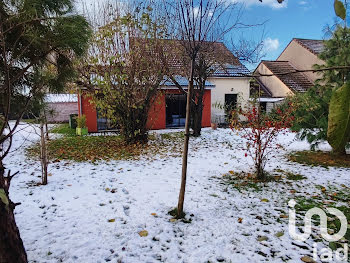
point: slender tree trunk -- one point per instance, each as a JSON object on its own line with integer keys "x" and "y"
{"x": 197, "y": 114}
{"x": 46, "y": 127}
{"x": 11, "y": 245}
{"x": 43, "y": 155}
{"x": 180, "y": 206}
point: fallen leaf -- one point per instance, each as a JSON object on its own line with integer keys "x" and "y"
{"x": 279, "y": 234}
{"x": 69, "y": 185}
{"x": 111, "y": 220}
{"x": 283, "y": 216}
{"x": 153, "y": 214}
{"x": 262, "y": 238}
{"x": 307, "y": 259}
{"x": 231, "y": 172}
{"x": 264, "y": 200}
{"x": 240, "y": 219}
{"x": 173, "y": 220}
{"x": 49, "y": 174}
{"x": 107, "y": 189}
{"x": 143, "y": 233}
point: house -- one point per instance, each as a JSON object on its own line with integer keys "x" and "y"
{"x": 300, "y": 54}
{"x": 61, "y": 106}
{"x": 228, "y": 84}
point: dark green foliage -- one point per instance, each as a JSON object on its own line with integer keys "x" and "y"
{"x": 338, "y": 134}
{"x": 40, "y": 39}
{"x": 336, "y": 53}
{"x": 312, "y": 108}
{"x": 311, "y": 114}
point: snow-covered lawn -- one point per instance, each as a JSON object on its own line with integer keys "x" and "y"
{"x": 68, "y": 220}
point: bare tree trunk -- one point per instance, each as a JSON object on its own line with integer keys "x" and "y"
{"x": 43, "y": 154}
{"x": 180, "y": 206}
{"x": 46, "y": 127}
{"x": 11, "y": 245}
{"x": 197, "y": 114}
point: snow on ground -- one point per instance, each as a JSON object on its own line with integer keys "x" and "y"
{"x": 67, "y": 220}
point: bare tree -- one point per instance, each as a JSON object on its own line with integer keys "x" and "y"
{"x": 199, "y": 26}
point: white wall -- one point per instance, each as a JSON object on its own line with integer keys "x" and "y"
{"x": 239, "y": 86}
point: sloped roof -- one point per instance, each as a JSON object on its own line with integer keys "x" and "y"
{"x": 297, "y": 82}
{"x": 313, "y": 45}
{"x": 183, "y": 82}
{"x": 225, "y": 64}
{"x": 59, "y": 98}
{"x": 229, "y": 70}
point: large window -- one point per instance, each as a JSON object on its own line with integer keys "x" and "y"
{"x": 104, "y": 124}
{"x": 175, "y": 110}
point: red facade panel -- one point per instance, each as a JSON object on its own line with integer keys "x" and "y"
{"x": 89, "y": 109}
{"x": 157, "y": 113}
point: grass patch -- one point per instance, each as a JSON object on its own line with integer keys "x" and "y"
{"x": 319, "y": 158}
{"x": 63, "y": 129}
{"x": 172, "y": 136}
{"x": 95, "y": 148}
{"x": 294, "y": 177}
{"x": 242, "y": 181}
{"x": 89, "y": 148}
{"x": 336, "y": 197}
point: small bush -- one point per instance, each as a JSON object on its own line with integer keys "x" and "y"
{"x": 81, "y": 121}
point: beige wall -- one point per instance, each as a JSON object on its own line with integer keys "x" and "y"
{"x": 239, "y": 86}
{"x": 301, "y": 58}
{"x": 62, "y": 110}
{"x": 274, "y": 84}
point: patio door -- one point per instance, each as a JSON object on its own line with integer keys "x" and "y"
{"x": 104, "y": 124}
{"x": 175, "y": 110}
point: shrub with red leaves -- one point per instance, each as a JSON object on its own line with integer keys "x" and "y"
{"x": 260, "y": 131}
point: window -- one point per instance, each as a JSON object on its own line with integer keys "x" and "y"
{"x": 175, "y": 110}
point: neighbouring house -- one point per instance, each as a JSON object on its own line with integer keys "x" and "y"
{"x": 228, "y": 84}
{"x": 300, "y": 54}
{"x": 61, "y": 106}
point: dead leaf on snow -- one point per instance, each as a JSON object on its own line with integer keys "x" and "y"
{"x": 143, "y": 233}
{"x": 307, "y": 259}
